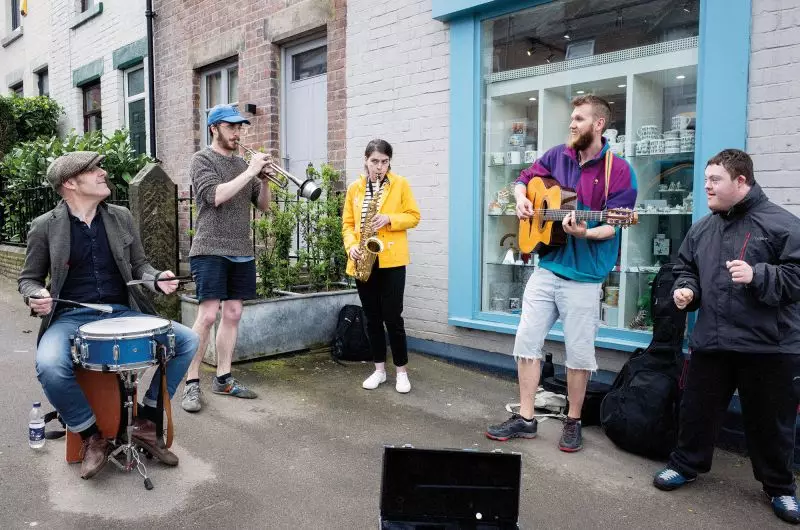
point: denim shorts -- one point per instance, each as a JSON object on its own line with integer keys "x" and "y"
{"x": 547, "y": 298}
{"x": 218, "y": 278}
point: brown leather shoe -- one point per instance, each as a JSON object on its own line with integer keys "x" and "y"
{"x": 144, "y": 435}
{"x": 95, "y": 451}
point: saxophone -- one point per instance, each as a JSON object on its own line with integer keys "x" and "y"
{"x": 369, "y": 245}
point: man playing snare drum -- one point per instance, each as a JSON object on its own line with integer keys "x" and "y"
{"x": 90, "y": 250}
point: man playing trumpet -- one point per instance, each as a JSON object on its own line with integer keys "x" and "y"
{"x": 221, "y": 257}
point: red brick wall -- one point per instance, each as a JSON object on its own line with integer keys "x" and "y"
{"x": 185, "y": 25}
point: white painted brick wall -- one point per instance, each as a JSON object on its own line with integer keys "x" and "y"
{"x": 122, "y": 22}
{"x": 398, "y": 88}
{"x": 27, "y": 52}
{"x": 773, "y": 133}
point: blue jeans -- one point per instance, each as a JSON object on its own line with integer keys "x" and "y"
{"x": 56, "y": 372}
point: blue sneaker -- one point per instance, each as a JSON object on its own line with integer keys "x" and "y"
{"x": 668, "y": 479}
{"x": 232, "y": 387}
{"x": 786, "y": 508}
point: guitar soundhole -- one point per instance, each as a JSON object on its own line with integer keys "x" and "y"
{"x": 543, "y": 214}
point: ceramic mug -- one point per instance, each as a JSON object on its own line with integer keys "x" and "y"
{"x": 680, "y": 121}
{"x": 647, "y": 132}
{"x": 611, "y": 135}
{"x": 513, "y": 157}
{"x": 642, "y": 147}
{"x": 530, "y": 157}
{"x": 656, "y": 146}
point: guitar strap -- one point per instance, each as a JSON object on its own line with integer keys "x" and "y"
{"x": 609, "y": 162}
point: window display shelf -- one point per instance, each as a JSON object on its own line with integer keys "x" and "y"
{"x": 526, "y": 265}
{"x": 663, "y": 213}
{"x": 531, "y": 113}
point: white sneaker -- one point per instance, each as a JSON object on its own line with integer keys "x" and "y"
{"x": 372, "y": 382}
{"x": 403, "y": 385}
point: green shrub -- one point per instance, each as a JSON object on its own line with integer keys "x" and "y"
{"x": 35, "y": 117}
{"x": 8, "y": 130}
{"x": 322, "y": 263}
{"x": 25, "y": 167}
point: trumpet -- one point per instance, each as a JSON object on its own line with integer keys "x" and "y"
{"x": 308, "y": 188}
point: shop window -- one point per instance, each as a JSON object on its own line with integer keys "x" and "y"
{"x": 642, "y": 58}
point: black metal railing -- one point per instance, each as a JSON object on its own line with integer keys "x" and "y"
{"x": 20, "y": 207}
{"x": 186, "y": 206}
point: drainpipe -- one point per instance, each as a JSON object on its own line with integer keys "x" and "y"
{"x": 151, "y": 71}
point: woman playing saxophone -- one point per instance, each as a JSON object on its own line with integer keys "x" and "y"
{"x": 378, "y": 210}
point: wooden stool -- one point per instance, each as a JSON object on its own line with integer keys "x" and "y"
{"x": 102, "y": 390}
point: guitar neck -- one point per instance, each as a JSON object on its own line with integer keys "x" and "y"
{"x": 580, "y": 215}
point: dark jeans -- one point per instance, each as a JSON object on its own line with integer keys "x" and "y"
{"x": 382, "y": 299}
{"x": 769, "y": 411}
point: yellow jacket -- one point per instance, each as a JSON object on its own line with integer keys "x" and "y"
{"x": 398, "y": 203}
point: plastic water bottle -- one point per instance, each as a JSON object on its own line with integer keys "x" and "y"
{"x": 36, "y": 427}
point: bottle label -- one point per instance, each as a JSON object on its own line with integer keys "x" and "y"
{"x": 36, "y": 434}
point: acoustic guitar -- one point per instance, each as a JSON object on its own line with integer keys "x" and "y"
{"x": 551, "y": 203}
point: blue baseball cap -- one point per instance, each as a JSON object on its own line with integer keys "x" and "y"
{"x": 226, "y": 113}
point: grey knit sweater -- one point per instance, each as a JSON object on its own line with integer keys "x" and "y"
{"x": 222, "y": 230}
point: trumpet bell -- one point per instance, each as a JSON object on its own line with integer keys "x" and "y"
{"x": 310, "y": 190}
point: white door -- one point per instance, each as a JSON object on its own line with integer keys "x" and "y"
{"x": 305, "y": 110}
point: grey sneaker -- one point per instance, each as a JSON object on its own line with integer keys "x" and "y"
{"x": 514, "y": 427}
{"x": 571, "y": 438}
{"x": 232, "y": 387}
{"x": 191, "y": 398}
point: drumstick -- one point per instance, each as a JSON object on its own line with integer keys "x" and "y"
{"x": 181, "y": 279}
{"x": 103, "y": 308}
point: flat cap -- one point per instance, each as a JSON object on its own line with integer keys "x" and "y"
{"x": 69, "y": 165}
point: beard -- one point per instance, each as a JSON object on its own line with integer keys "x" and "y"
{"x": 582, "y": 141}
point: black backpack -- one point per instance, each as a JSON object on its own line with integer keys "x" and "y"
{"x": 640, "y": 412}
{"x": 350, "y": 341}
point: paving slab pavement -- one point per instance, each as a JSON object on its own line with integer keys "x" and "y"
{"x": 307, "y": 454}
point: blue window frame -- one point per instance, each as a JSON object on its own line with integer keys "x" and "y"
{"x": 724, "y": 53}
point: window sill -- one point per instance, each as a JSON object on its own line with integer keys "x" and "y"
{"x": 14, "y": 35}
{"x": 610, "y": 338}
{"x": 87, "y": 15}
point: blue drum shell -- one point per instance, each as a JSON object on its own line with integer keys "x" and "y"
{"x": 133, "y": 352}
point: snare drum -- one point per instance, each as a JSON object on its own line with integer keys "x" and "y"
{"x": 124, "y": 343}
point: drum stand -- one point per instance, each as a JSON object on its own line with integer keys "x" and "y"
{"x": 126, "y": 456}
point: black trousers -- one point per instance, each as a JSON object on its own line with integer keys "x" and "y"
{"x": 769, "y": 410}
{"x": 382, "y": 299}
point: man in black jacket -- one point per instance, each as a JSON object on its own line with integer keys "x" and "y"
{"x": 740, "y": 266}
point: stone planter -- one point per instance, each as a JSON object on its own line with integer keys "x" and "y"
{"x": 292, "y": 322}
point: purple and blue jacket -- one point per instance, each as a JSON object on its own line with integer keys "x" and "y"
{"x": 583, "y": 260}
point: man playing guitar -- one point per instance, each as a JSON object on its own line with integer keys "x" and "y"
{"x": 568, "y": 281}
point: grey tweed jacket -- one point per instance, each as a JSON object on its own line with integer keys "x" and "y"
{"x": 48, "y": 252}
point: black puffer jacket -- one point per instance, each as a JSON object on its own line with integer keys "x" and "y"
{"x": 763, "y": 316}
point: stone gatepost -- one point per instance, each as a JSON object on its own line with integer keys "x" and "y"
{"x": 152, "y": 196}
